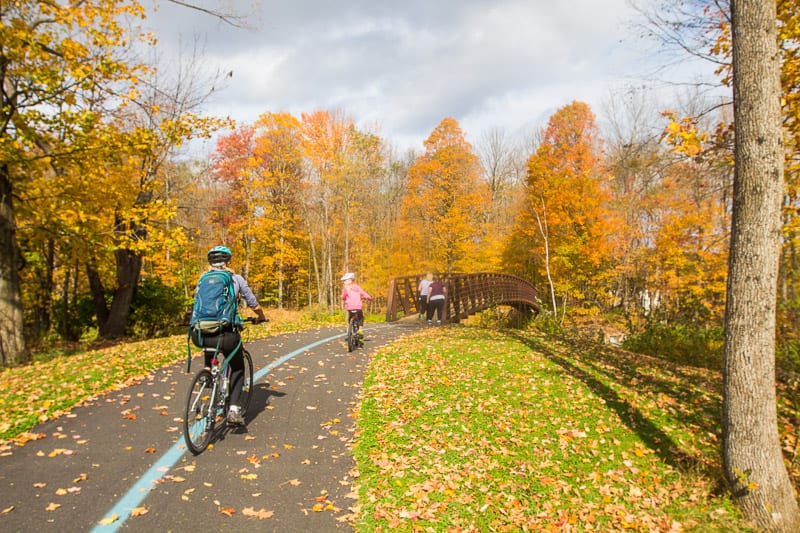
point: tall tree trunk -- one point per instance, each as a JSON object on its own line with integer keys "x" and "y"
{"x": 753, "y": 461}
{"x": 12, "y": 339}
{"x": 113, "y": 321}
{"x": 45, "y": 297}
{"x": 129, "y": 267}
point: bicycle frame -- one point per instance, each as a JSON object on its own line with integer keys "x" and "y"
{"x": 209, "y": 395}
{"x": 353, "y": 324}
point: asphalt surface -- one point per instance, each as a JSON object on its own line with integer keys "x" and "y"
{"x": 119, "y": 462}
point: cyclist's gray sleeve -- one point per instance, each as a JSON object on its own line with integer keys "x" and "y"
{"x": 243, "y": 289}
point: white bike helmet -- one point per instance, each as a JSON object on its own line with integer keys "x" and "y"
{"x": 347, "y": 276}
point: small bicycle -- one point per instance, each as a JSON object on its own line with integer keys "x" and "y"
{"x": 207, "y": 401}
{"x": 353, "y": 324}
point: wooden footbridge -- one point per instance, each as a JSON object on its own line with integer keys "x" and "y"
{"x": 467, "y": 294}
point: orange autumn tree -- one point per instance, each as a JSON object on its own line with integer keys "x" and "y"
{"x": 342, "y": 168}
{"x": 281, "y": 242}
{"x": 442, "y": 214}
{"x": 686, "y": 266}
{"x": 233, "y": 210}
{"x": 560, "y": 237}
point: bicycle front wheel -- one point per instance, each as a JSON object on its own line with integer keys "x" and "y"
{"x": 248, "y": 381}
{"x": 199, "y": 417}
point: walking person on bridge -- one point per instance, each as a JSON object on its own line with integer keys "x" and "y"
{"x": 437, "y": 293}
{"x": 422, "y": 289}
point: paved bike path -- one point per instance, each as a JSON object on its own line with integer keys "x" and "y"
{"x": 288, "y": 470}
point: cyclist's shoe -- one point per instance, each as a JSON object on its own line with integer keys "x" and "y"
{"x": 235, "y": 417}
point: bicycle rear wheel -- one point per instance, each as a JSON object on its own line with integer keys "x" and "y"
{"x": 352, "y": 335}
{"x": 248, "y": 381}
{"x": 200, "y": 417}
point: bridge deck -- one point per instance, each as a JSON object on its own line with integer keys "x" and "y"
{"x": 467, "y": 294}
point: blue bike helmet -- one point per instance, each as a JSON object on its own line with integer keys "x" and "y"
{"x": 219, "y": 255}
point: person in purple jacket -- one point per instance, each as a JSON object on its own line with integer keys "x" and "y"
{"x": 352, "y": 295}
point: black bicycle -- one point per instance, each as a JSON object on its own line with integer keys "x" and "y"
{"x": 353, "y": 324}
{"x": 207, "y": 401}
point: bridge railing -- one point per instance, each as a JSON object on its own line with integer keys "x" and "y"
{"x": 467, "y": 294}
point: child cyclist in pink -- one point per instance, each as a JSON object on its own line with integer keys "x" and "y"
{"x": 352, "y": 294}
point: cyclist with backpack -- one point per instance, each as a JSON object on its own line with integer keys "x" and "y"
{"x": 215, "y": 321}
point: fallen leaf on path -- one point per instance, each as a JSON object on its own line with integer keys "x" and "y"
{"x": 52, "y": 506}
{"x": 7, "y": 510}
{"x": 139, "y": 511}
{"x": 261, "y": 514}
{"x": 110, "y": 520}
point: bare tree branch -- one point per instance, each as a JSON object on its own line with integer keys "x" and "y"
{"x": 235, "y": 20}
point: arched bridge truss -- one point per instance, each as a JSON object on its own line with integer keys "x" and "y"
{"x": 467, "y": 294}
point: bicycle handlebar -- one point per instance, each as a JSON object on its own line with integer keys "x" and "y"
{"x": 254, "y": 320}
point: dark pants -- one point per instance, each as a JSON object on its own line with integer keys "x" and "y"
{"x": 422, "y": 304}
{"x": 358, "y": 316}
{"x": 435, "y": 306}
{"x": 224, "y": 343}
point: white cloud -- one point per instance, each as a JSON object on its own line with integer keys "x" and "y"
{"x": 406, "y": 65}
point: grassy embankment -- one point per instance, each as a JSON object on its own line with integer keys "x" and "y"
{"x": 465, "y": 429}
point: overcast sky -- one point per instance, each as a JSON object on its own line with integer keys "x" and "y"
{"x": 398, "y": 67}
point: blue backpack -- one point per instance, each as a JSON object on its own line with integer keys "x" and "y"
{"x": 215, "y": 304}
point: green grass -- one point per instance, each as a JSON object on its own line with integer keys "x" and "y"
{"x": 462, "y": 429}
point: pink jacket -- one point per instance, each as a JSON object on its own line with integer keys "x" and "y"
{"x": 352, "y": 297}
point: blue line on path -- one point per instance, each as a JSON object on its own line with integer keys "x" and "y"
{"x": 136, "y": 494}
